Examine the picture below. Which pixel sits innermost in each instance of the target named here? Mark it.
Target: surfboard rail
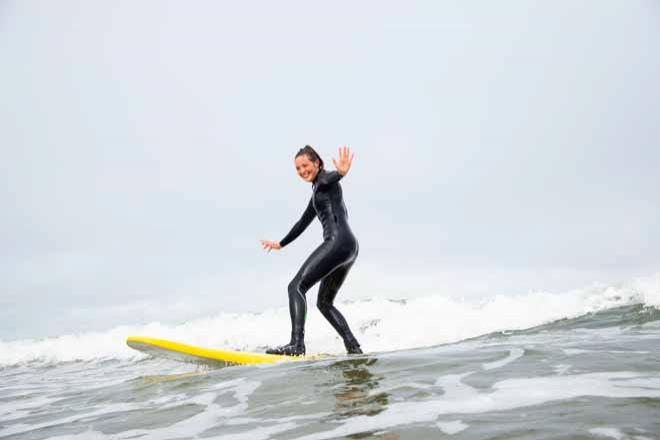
(190, 353)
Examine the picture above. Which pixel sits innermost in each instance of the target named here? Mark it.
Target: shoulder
(326, 178)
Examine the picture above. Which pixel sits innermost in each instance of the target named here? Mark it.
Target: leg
(329, 287)
(317, 266)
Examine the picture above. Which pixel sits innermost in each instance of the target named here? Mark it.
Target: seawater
(572, 365)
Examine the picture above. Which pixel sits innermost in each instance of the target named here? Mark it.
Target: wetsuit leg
(319, 264)
(327, 292)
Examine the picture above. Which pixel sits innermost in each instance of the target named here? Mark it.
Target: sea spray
(381, 324)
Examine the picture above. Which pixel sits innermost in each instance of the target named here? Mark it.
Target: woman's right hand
(268, 245)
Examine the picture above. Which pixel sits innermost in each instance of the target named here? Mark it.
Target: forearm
(300, 225)
(294, 233)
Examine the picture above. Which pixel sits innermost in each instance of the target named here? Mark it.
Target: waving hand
(345, 159)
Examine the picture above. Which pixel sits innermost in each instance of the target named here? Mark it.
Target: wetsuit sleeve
(301, 225)
(329, 177)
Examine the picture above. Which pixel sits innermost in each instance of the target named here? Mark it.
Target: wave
(380, 324)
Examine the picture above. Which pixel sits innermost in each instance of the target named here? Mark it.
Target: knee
(296, 287)
(323, 305)
(293, 287)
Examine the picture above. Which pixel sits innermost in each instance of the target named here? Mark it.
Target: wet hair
(311, 155)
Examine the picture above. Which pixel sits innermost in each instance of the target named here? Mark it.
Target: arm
(301, 225)
(343, 165)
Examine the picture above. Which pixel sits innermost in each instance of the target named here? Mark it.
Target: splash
(381, 324)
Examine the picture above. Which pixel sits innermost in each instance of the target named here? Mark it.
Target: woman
(332, 260)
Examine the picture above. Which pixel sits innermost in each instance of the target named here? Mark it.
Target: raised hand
(345, 159)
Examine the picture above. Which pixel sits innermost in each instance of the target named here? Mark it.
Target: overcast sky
(146, 147)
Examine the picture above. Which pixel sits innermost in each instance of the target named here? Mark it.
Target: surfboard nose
(189, 353)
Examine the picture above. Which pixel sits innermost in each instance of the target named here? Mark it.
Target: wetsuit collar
(316, 179)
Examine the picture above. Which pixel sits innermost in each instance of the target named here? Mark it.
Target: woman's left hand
(345, 159)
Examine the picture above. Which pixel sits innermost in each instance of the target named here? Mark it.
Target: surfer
(332, 260)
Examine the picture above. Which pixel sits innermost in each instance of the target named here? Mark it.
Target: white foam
(607, 432)
(514, 354)
(107, 409)
(85, 435)
(573, 351)
(399, 386)
(647, 290)
(379, 323)
(262, 433)
(561, 368)
(18, 408)
(451, 428)
(211, 415)
(460, 398)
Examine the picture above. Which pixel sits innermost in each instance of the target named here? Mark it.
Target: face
(306, 169)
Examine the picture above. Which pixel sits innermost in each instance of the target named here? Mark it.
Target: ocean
(582, 364)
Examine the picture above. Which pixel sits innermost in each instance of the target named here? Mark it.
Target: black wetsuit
(329, 263)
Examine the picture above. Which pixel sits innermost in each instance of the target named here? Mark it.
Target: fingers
(270, 245)
(345, 154)
(343, 164)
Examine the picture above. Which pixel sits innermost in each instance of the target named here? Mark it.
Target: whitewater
(577, 364)
(382, 324)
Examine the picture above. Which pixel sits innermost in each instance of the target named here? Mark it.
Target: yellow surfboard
(189, 353)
